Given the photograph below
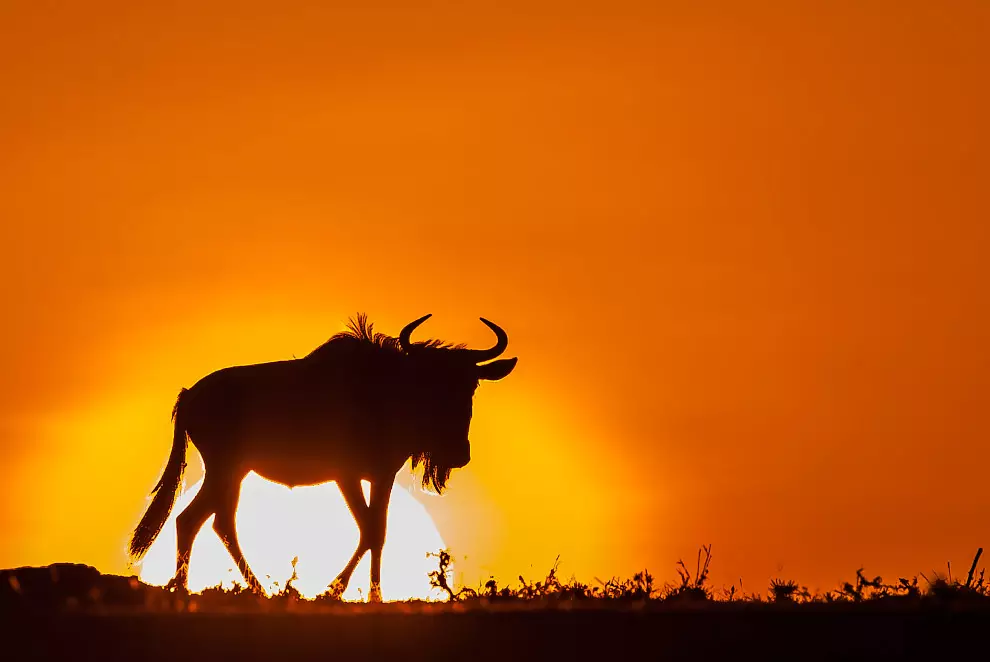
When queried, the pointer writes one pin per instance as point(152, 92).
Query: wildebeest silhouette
point(355, 408)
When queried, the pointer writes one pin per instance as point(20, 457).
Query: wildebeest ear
point(496, 370)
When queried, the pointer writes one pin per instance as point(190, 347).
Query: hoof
point(375, 593)
point(336, 589)
point(255, 587)
point(177, 586)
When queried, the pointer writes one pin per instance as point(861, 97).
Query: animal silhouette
point(355, 408)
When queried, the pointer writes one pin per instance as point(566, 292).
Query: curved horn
point(407, 330)
point(502, 341)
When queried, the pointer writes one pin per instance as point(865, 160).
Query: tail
point(165, 491)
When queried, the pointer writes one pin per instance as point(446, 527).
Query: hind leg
point(225, 524)
point(187, 526)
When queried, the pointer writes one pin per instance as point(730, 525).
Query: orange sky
point(738, 248)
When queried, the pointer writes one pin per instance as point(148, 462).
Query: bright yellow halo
point(276, 524)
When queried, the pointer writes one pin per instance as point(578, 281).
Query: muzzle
point(460, 457)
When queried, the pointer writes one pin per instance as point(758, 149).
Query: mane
point(361, 333)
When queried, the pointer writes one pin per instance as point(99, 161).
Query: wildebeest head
point(442, 381)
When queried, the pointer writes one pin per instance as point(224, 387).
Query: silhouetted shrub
point(787, 591)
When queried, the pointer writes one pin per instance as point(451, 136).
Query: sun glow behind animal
point(276, 524)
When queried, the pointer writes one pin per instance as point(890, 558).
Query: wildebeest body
point(356, 408)
point(293, 422)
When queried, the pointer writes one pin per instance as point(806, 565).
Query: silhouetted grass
point(64, 611)
point(73, 587)
point(694, 588)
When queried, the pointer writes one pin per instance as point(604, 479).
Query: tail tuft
point(165, 491)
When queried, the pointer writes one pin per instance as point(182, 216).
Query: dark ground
point(76, 613)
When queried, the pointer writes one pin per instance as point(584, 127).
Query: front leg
point(377, 517)
point(354, 497)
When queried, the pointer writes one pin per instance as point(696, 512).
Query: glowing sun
point(276, 524)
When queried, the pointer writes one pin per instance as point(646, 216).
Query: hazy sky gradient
point(739, 248)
